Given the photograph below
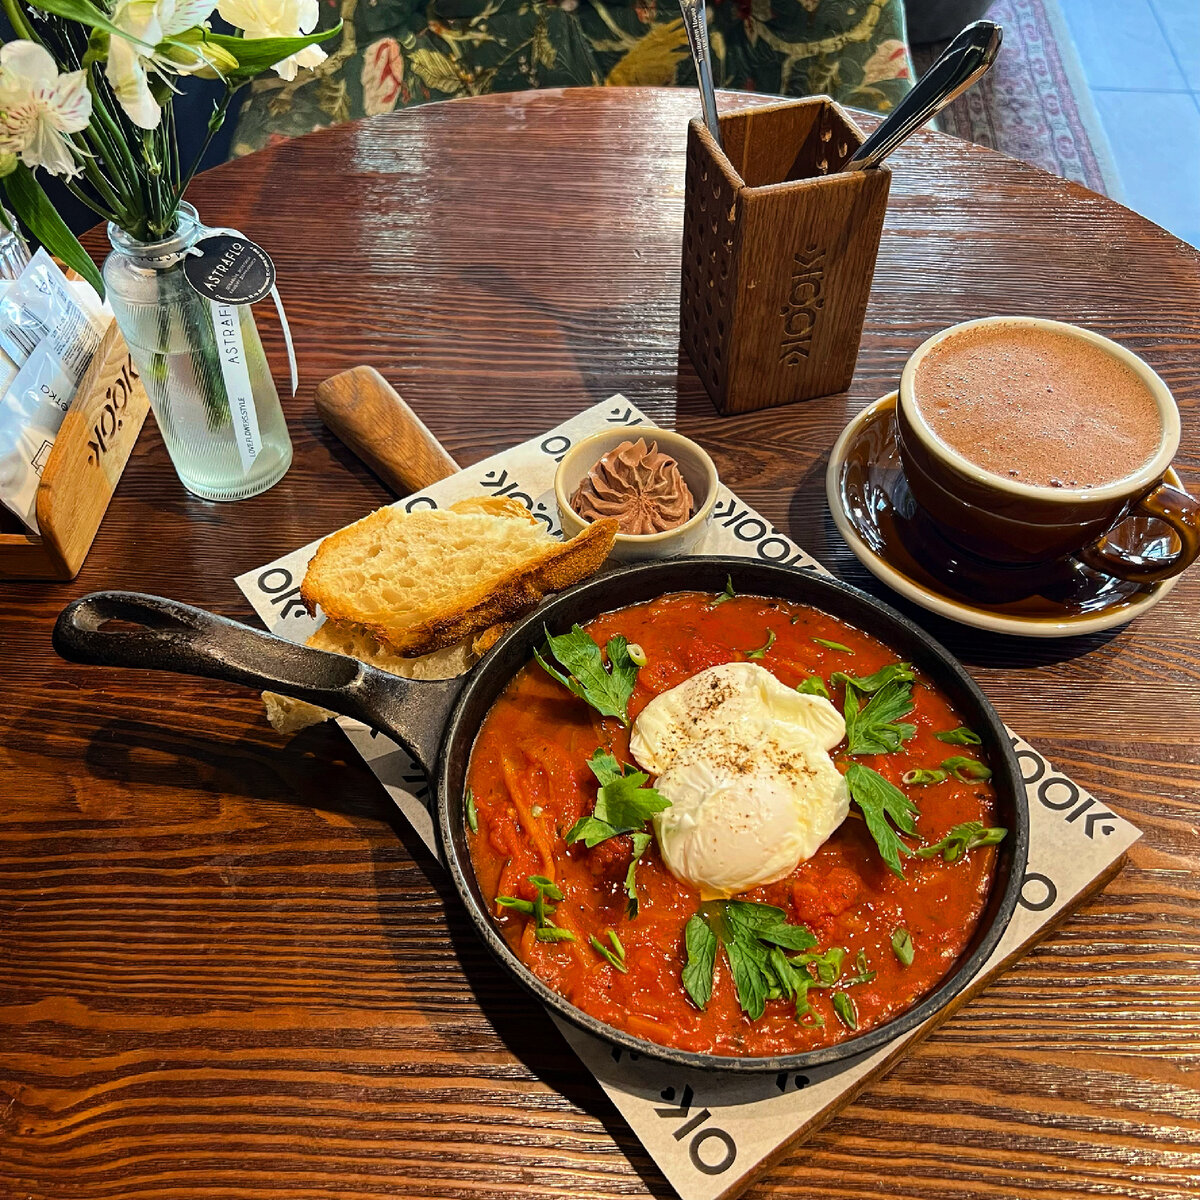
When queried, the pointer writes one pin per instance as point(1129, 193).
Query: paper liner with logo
point(709, 1133)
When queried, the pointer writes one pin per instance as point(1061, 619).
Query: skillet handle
point(169, 636)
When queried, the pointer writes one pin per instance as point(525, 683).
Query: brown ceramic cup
point(1020, 525)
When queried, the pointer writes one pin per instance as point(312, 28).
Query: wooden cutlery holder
point(779, 249)
point(82, 469)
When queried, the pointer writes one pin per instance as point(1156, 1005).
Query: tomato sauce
point(531, 782)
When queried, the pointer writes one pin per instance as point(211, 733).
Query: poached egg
point(744, 760)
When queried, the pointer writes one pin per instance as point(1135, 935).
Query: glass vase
point(211, 392)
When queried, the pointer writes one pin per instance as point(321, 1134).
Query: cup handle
point(1169, 504)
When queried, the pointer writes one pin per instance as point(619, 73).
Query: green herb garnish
point(903, 947)
point(754, 937)
point(862, 970)
point(762, 650)
point(962, 736)
point(472, 811)
point(623, 805)
point(966, 770)
point(615, 956)
point(828, 966)
point(727, 594)
point(883, 805)
point(877, 728)
point(900, 672)
point(961, 839)
point(541, 910)
point(833, 645)
point(846, 1011)
point(814, 685)
point(922, 777)
point(606, 689)
point(640, 841)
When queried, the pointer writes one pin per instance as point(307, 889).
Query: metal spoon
point(697, 34)
point(965, 60)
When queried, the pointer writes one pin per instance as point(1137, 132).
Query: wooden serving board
point(711, 1134)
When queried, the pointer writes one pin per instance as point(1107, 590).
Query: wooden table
point(228, 969)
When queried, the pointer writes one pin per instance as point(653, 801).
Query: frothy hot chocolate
point(1038, 406)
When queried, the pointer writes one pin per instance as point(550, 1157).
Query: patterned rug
point(1034, 104)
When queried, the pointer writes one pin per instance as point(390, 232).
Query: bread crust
point(476, 609)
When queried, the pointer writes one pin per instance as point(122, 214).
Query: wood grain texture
point(364, 410)
point(778, 253)
point(227, 970)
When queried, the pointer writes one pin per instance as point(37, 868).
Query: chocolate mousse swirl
point(637, 484)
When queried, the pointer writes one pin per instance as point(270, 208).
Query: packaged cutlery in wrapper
point(49, 331)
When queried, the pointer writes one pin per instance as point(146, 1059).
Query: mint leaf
point(606, 689)
point(762, 650)
point(701, 945)
point(876, 729)
point(748, 963)
point(901, 672)
point(962, 736)
point(813, 686)
point(882, 802)
point(767, 923)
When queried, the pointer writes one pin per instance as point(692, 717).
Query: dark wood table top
point(228, 968)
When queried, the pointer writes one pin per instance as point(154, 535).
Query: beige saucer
point(874, 511)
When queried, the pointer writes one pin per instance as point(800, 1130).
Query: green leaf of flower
point(39, 216)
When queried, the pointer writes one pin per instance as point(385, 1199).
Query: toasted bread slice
point(421, 582)
point(290, 716)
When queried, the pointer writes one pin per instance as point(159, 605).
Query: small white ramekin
point(694, 465)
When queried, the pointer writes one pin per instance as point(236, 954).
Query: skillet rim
point(998, 743)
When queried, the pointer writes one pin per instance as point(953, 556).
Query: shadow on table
point(515, 1018)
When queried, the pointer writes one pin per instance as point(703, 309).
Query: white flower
point(143, 25)
point(39, 107)
point(277, 18)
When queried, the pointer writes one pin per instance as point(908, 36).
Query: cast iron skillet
point(437, 721)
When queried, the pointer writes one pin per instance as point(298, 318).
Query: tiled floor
point(1142, 62)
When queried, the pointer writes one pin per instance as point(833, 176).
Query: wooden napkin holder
point(83, 468)
point(779, 250)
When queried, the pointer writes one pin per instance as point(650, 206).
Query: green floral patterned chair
point(393, 53)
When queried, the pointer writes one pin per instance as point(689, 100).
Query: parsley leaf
point(962, 838)
point(962, 736)
point(882, 802)
point(814, 685)
point(762, 650)
point(640, 842)
point(623, 801)
point(727, 594)
point(623, 805)
point(876, 728)
point(606, 689)
point(899, 671)
point(701, 945)
point(832, 645)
